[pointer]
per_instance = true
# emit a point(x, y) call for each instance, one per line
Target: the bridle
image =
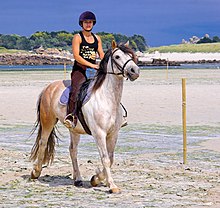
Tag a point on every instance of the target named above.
point(120, 68)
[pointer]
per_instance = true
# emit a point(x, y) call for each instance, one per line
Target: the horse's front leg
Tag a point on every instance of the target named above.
point(107, 161)
point(73, 154)
point(101, 175)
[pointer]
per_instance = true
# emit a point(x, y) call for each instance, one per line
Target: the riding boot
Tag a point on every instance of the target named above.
point(70, 120)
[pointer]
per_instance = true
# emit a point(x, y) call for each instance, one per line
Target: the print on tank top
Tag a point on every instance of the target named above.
point(88, 53)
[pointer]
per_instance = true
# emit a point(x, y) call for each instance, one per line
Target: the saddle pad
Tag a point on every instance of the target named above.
point(84, 95)
point(64, 98)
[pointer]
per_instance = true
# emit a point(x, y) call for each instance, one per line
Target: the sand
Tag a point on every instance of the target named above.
point(180, 57)
point(155, 178)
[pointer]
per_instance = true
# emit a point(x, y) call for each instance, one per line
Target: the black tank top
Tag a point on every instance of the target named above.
point(88, 49)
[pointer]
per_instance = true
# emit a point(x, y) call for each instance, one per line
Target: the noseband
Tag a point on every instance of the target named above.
point(120, 68)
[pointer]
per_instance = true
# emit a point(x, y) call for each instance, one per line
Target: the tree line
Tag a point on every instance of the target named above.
point(207, 39)
point(63, 40)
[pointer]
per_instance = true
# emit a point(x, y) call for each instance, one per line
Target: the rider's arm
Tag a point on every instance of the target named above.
point(100, 50)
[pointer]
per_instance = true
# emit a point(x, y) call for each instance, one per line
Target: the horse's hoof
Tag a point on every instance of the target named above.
point(78, 183)
point(34, 176)
point(95, 181)
point(115, 191)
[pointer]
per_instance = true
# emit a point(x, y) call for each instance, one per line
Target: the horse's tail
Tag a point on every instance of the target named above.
point(50, 149)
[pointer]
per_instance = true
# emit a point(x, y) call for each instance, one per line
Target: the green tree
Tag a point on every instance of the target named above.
point(65, 37)
point(119, 38)
point(41, 39)
point(23, 43)
point(38, 42)
point(133, 45)
point(38, 35)
point(204, 40)
point(215, 39)
point(8, 41)
point(63, 40)
point(140, 41)
point(106, 40)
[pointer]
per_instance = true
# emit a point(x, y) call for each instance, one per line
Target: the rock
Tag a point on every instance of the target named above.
point(157, 62)
point(194, 40)
point(34, 59)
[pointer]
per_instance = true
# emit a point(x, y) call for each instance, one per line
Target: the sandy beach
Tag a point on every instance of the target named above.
point(148, 165)
point(180, 57)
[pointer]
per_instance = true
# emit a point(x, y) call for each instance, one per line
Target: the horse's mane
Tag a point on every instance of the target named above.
point(101, 74)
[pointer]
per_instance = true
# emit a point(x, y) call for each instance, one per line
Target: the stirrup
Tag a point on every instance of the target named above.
point(69, 121)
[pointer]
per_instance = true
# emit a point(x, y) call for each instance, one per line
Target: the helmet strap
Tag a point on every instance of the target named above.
point(87, 30)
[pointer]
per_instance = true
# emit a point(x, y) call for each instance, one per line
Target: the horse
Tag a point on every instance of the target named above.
point(103, 115)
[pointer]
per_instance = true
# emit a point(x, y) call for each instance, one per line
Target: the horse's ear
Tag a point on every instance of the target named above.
point(127, 44)
point(114, 44)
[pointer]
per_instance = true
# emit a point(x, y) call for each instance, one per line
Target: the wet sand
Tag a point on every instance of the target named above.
point(153, 179)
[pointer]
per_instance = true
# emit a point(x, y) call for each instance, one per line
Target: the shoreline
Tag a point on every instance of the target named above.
point(144, 59)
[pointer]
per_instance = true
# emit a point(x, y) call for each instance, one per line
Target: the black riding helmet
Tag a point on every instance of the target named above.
point(87, 16)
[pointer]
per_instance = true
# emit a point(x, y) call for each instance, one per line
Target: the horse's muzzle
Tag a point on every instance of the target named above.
point(133, 73)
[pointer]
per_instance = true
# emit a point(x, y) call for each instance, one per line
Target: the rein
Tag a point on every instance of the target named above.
point(121, 68)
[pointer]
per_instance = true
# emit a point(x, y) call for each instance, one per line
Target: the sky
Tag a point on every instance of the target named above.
point(161, 22)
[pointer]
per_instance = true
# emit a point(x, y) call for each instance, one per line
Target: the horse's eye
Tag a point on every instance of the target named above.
point(117, 57)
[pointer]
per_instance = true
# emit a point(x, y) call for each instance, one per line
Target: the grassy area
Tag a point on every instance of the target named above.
point(11, 51)
point(192, 48)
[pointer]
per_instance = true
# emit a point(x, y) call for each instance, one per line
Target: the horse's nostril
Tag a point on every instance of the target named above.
point(132, 70)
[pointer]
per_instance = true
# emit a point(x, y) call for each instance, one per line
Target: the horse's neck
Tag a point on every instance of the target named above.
point(113, 86)
point(111, 89)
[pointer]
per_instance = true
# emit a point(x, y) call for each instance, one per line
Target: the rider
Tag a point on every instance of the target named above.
point(85, 45)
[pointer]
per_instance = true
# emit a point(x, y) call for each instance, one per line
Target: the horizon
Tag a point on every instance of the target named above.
point(28, 36)
point(160, 23)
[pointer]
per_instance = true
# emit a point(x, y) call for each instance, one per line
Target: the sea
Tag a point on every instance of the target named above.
point(69, 67)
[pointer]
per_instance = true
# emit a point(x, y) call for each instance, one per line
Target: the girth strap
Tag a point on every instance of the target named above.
point(83, 122)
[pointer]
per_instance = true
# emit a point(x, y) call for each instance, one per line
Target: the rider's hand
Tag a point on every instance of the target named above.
point(95, 66)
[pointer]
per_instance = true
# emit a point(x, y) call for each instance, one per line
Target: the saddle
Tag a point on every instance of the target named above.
point(82, 98)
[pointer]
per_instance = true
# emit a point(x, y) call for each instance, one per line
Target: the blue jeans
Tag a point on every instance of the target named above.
point(90, 73)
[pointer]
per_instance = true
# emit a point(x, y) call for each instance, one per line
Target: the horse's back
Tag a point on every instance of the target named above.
point(56, 88)
point(59, 84)
point(50, 99)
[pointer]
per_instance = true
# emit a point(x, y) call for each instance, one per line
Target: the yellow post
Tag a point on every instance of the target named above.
point(167, 69)
point(64, 68)
point(184, 119)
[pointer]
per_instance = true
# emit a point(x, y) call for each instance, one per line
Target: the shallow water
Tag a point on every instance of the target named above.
point(133, 140)
point(69, 67)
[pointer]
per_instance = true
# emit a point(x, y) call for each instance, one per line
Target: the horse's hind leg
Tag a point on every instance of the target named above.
point(43, 150)
point(37, 167)
point(73, 154)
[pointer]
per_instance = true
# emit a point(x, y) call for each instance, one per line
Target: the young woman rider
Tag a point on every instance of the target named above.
point(85, 46)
